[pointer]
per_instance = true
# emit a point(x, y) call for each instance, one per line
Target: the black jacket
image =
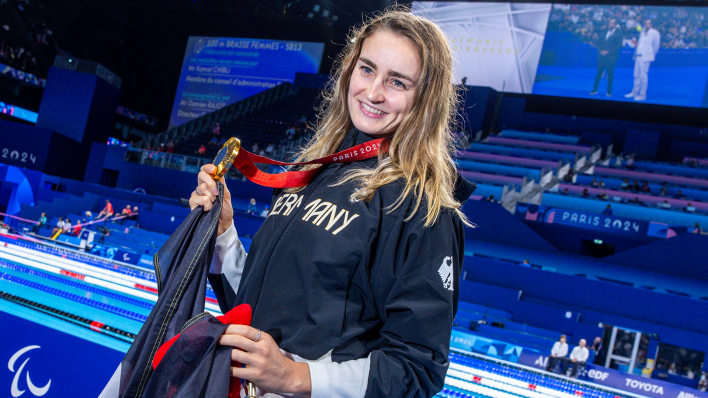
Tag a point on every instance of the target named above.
point(325, 274)
point(613, 44)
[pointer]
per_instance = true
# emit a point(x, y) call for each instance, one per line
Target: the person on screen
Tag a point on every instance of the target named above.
point(647, 47)
point(608, 44)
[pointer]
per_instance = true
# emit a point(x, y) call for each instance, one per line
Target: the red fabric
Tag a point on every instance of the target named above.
point(240, 315)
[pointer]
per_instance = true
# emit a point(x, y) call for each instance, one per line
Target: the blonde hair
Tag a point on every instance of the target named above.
point(419, 152)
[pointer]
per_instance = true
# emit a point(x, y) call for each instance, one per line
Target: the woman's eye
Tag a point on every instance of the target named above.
point(399, 84)
point(366, 69)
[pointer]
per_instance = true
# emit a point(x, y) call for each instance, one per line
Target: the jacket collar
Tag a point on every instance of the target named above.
point(354, 137)
point(463, 187)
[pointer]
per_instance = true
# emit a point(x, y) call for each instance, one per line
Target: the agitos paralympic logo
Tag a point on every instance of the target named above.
point(15, 389)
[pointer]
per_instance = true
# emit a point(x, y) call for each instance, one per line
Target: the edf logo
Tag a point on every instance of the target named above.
point(597, 374)
point(15, 388)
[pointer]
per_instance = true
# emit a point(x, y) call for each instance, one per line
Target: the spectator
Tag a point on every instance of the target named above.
point(89, 215)
point(201, 150)
point(214, 141)
point(265, 211)
point(594, 183)
point(106, 212)
point(290, 133)
point(645, 187)
point(679, 195)
point(569, 177)
point(636, 187)
point(625, 185)
point(703, 382)
point(600, 184)
point(599, 352)
point(40, 223)
point(578, 357)
point(565, 191)
point(59, 227)
point(664, 190)
point(558, 352)
point(665, 205)
point(585, 193)
point(217, 129)
point(603, 196)
point(269, 149)
point(607, 211)
point(697, 229)
point(251, 207)
point(126, 212)
point(637, 201)
point(672, 369)
point(67, 226)
point(77, 229)
point(690, 208)
point(254, 148)
point(134, 215)
point(170, 147)
point(491, 199)
point(525, 263)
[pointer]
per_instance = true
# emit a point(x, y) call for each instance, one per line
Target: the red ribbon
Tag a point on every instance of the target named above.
point(245, 163)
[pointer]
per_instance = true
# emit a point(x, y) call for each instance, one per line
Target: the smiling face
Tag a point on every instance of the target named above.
point(383, 84)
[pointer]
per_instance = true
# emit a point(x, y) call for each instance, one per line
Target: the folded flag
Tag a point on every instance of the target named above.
point(181, 268)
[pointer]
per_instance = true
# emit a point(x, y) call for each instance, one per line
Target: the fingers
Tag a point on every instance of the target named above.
point(199, 200)
point(204, 189)
point(247, 332)
point(204, 180)
point(209, 168)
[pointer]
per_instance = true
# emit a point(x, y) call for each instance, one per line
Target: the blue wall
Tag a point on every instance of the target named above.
point(495, 224)
point(514, 115)
point(683, 255)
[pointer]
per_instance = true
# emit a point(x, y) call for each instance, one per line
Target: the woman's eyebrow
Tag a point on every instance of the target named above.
point(390, 72)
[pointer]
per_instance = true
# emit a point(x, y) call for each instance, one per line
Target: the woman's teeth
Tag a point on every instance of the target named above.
point(372, 110)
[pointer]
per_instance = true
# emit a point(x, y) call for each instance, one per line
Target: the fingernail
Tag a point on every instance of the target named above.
point(216, 191)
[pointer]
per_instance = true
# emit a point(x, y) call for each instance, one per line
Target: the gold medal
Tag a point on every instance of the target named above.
point(225, 157)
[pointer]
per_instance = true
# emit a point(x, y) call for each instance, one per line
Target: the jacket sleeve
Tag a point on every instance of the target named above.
point(418, 305)
point(226, 268)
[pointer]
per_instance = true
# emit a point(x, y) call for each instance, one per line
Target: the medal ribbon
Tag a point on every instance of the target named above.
point(245, 163)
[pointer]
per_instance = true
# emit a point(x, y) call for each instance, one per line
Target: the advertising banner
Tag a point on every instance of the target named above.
point(596, 222)
point(124, 256)
point(41, 361)
point(622, 381)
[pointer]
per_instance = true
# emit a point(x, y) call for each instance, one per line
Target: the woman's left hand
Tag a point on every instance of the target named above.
point(265, 364)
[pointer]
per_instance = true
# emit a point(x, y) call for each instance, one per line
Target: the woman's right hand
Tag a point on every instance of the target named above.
point(206, 193)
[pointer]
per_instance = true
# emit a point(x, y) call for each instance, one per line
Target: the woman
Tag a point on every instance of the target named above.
point(355, 276)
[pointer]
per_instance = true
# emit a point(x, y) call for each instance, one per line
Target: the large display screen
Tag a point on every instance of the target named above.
point(496, 45)
point(653, 54)
point(218, 71)
point(633, 53)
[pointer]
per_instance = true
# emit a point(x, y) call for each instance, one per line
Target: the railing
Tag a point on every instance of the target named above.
point(223, 115)
point(192, 164)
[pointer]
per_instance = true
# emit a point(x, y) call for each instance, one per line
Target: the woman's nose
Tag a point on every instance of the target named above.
point(374, 92)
